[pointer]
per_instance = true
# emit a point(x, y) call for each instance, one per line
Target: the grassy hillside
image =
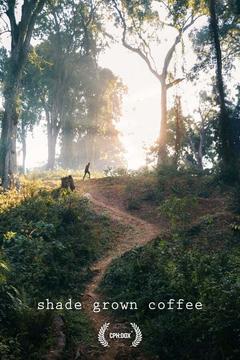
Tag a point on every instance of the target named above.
point(49, 239)
point(196, 258)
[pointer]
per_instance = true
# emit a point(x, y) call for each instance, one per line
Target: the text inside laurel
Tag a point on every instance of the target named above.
point(171, 304)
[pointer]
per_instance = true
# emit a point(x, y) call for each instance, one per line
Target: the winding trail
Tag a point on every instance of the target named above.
point(138, 232)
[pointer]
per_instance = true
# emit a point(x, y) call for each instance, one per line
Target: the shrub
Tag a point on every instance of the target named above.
point(111, 172)
point(167, 269)
point(178, 211)
point(48, 242)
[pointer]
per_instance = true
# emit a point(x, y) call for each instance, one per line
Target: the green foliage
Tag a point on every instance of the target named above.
point(10, 349)
point(166, 269)
point(48, 243)
point(235, 227)
point(191, 139)
point(236, 199)
point(198, 261)
point(111, 172)
point(178, 210)
point(46, 251)
point(182, 182)
point(85, 104)
point(79, 331)
point(140, 188)
point(133, 204)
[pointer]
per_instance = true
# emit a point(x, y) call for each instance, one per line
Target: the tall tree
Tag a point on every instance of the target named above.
point(217, 47)
point(100, 137)
point(133, 16)
point(71, 44)
point(21, 33)
point(227, 153)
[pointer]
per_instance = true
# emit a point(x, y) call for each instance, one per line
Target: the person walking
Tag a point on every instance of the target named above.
point(86, 171)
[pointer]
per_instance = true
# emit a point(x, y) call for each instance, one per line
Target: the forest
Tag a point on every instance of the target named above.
point(111, 83)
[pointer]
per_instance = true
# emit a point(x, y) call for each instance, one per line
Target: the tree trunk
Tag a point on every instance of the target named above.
point(51, 152)
point(67, 155)
point(24, 157)
point(52, 134)
point(178, 135)
point(93, 150)
point(24, 151)
point(162, 77)
point(162, 152)
point(229, 164)
point(8, 135)
point(200, 151)
point(21, 33)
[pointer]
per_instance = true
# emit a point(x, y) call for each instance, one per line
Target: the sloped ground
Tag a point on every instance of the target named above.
point(144, 222)
point(138, 232)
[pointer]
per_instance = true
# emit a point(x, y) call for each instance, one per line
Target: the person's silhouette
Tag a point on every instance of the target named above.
point(86, 171)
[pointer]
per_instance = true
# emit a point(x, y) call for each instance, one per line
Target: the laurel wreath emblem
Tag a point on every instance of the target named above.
point(105, 326)
point(101, 334)
point(138, 333)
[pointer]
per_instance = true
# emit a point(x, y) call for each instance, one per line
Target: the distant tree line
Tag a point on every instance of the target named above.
point(60, 82)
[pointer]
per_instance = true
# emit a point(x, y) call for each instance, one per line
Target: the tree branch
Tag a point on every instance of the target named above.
point(32, 21)
point(5, 31)
point(130, 47)
point(174, 82)
point(11, 16)
point(170, 52)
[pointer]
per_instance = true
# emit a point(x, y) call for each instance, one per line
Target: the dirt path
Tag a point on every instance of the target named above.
point(138, 233)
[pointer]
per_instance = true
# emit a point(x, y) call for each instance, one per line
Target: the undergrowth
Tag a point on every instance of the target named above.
point(48, 241)
point(196, 259)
